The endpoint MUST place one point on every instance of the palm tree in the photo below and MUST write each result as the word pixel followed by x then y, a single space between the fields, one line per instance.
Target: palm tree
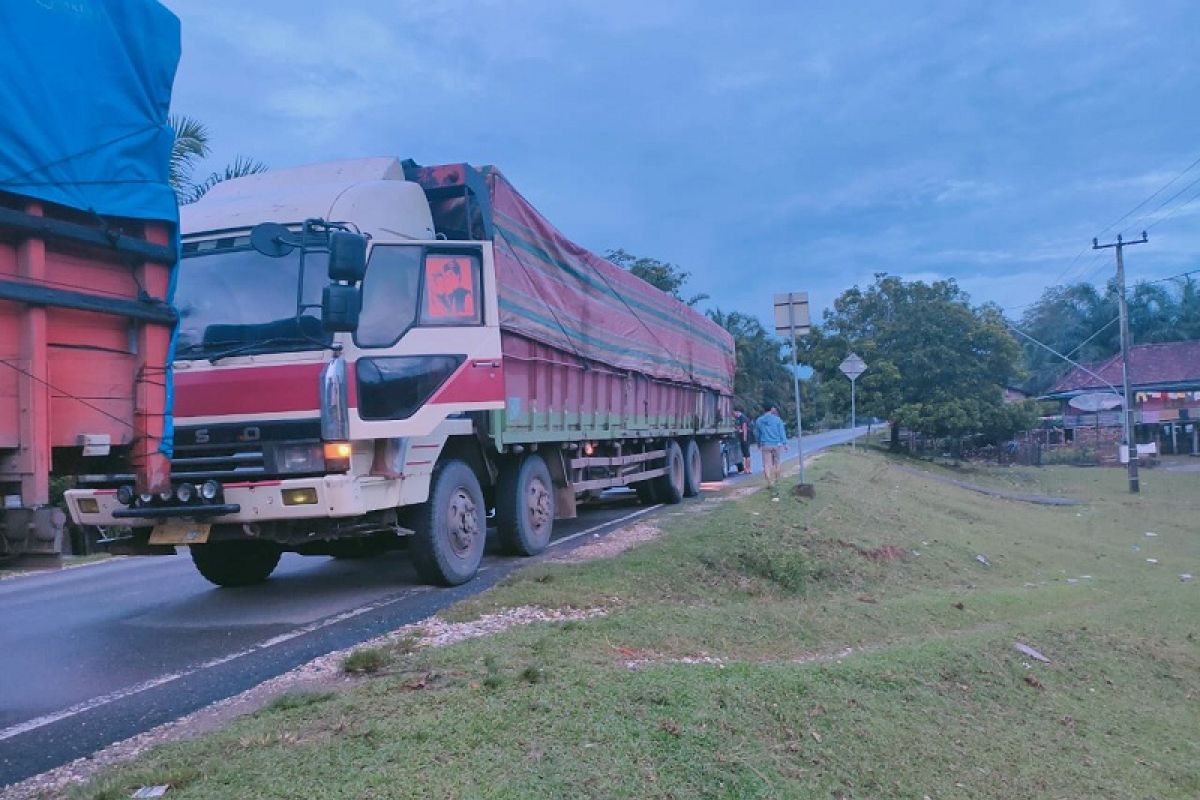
pixel 190 146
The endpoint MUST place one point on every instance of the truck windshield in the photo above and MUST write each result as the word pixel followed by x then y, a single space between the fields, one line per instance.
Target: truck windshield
pixel 234 299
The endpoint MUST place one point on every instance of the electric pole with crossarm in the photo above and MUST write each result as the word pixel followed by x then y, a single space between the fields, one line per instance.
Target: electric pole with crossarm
pixel 1130 438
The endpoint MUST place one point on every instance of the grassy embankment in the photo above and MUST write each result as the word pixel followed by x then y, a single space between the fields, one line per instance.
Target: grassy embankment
pixel 931 700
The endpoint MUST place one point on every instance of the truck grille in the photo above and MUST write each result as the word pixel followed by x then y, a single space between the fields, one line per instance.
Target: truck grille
pixel 221 462
pixel 235 451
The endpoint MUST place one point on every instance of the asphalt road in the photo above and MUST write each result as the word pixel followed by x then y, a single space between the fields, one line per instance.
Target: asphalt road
pixel 94 655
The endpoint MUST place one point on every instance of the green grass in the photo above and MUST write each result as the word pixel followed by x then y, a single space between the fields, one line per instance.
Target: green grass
pixel 930 700
pixel 366 660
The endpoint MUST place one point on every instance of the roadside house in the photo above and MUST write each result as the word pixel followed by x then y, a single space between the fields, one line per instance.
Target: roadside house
pixel 1165 380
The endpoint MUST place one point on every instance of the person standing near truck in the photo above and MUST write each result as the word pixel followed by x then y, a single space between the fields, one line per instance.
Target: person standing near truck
pixel 741 428
pixel 772 438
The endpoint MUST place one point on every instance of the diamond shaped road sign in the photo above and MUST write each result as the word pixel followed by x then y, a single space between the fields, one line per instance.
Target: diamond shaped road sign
pixel 853 366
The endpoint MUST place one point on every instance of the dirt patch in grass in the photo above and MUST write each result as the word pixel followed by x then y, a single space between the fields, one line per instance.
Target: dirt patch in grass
pixel 615 543
pixel 886 552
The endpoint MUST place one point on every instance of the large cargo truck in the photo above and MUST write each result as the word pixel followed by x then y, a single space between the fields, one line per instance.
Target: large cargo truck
pixel 88 245
pixel 374 354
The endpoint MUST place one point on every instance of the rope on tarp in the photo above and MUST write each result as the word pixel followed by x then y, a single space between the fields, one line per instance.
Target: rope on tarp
pixel 65 393
pixel 549 306
pixel 10 180
pixel 685 367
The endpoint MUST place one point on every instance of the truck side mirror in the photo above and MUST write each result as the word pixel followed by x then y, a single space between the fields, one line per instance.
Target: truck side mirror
pixel 347 256
pixel 340 304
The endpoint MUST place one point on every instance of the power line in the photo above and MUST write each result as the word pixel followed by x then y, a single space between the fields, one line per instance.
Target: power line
pixel 1156 193
pixel 1103 328
pixel 1134 210
pixel 1160 206
pixel 1173 277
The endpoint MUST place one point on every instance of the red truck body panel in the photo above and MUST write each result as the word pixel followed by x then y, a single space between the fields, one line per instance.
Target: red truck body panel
pixel 67 372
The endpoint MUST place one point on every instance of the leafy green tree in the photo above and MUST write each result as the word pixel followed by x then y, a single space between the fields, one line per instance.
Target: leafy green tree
pixel 190 147
pixel 936 364
pixel 663 275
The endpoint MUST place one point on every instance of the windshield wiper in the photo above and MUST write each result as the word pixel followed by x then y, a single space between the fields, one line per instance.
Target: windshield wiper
pixel 248 346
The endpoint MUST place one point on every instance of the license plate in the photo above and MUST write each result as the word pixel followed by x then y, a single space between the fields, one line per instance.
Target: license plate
pixel 180 532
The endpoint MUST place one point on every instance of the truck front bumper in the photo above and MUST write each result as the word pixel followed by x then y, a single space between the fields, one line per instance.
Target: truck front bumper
pixel 326 497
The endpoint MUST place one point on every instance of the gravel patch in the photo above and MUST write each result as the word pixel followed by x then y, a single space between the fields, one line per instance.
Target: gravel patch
pixel 613 544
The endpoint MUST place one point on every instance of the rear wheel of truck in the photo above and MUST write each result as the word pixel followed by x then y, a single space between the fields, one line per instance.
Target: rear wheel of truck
pixel 451 527
pixel 238 563
pixel 693 468
pixel 525 507
pixel 669 487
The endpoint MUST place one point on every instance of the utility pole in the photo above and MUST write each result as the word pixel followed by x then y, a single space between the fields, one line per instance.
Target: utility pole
pixel 1130 438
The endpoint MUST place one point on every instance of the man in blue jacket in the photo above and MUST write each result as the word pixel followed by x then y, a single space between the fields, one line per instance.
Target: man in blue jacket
pixel 772 439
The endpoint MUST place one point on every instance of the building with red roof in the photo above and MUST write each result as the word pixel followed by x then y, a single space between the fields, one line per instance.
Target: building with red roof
pixel 1165 380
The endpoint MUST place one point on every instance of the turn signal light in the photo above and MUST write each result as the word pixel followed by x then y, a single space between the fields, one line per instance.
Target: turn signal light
pixel 338 451
pixel 337 456
pixel 300 497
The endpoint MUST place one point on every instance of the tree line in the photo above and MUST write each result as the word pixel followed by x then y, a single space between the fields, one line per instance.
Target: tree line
pixel 1080 321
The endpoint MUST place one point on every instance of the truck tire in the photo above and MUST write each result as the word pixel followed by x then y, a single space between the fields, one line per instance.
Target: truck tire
pixel 669 487
pixel 237 563
pixel 525 506
pixel 451 527
pixel 692 469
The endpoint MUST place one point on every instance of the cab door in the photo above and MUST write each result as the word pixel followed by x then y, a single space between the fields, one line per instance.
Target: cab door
pixel 427 346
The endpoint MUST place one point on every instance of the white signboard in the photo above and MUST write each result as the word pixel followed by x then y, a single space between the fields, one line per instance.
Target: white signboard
pixel 853 366
pixel 791 314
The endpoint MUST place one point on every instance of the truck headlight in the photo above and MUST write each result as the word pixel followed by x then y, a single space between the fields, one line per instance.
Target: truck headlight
pixel 299 458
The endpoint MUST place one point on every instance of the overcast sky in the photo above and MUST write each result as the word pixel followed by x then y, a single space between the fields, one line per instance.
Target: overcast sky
pixel 799 146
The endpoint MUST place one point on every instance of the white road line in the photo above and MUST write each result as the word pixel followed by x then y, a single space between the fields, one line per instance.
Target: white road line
pixel 595 528
pixel 137 688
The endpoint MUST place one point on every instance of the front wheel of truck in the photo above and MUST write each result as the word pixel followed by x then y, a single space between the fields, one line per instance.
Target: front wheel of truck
pixel 451 527
pixel 238 563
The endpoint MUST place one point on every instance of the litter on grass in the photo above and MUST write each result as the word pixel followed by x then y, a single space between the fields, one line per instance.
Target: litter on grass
pixel 1151 560
pixel 1150 534
pixel 982 559
pixel 1021 647
pixel 150 791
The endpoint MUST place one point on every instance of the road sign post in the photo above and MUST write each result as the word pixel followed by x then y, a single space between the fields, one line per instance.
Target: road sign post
pixel 792 319
pixel 853 366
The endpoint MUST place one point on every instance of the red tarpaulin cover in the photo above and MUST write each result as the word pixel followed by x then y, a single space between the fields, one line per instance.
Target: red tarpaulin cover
pixel 556 292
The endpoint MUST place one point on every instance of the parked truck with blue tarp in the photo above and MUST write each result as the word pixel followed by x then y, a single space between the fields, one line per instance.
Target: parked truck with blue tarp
pixel 88 245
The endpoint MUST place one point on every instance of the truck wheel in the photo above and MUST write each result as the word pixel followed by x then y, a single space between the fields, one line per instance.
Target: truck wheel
pixel 669 487
pixel 692 469
pixel 451 527
pixel 525 507
pixel 238 563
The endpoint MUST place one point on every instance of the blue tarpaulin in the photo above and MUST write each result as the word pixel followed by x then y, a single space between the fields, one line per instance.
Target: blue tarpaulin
pixel 85 89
